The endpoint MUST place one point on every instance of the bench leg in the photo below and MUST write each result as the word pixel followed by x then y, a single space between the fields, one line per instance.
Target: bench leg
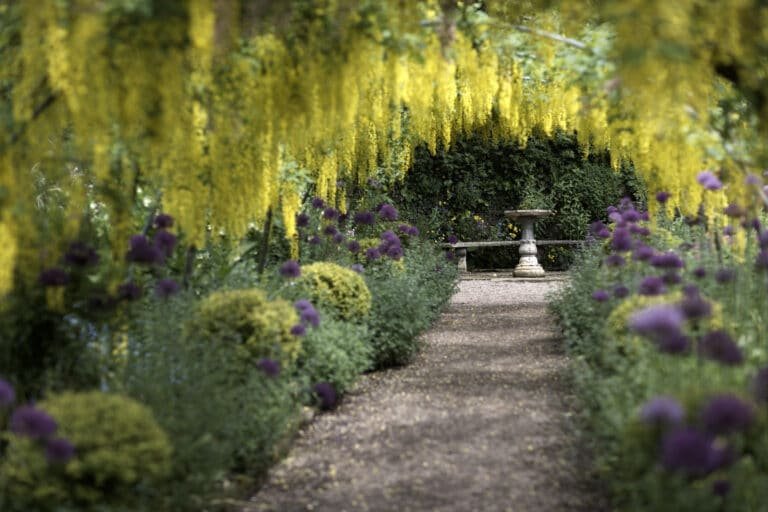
pixel 461 255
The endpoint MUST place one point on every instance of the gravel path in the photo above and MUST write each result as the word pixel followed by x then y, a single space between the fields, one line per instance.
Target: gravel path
pixel 479 422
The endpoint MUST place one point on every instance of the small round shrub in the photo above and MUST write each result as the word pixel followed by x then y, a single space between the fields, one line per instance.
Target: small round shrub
pixel 254 325
pixel 341 289
pixel 120 454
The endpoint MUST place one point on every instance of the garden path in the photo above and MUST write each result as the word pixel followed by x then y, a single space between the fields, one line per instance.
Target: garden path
pixel 481 421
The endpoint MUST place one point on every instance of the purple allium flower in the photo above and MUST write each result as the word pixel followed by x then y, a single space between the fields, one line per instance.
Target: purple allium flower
pixel 620 291
pixel 687 450
pixel 53 276
pixel 652 285
pixel 671 278
pixel 310 316
pixel 691 290
pixel 298 330
pixel 163 221
pixel 622 240
pixel 700 272
pixel 365 218
pixel 600 295
pixel 642 253
pixel 611 209
pixel 639 230
pixel 373 253
pixel 761 261
pixel 302 220
pixel 290 269
pixel 662 411
pixel 404 228
pixel 662 197
pixel 164 288
pixel 59 451
pixel 315 240
pixel 330 230
pixel 7 393
pixel 353 246
pixel 617 219
pixel 141 251
pixel 338 238
pixel 450 255
pixel 388 212
pixel 129 291
pixel 752 179
pixel 719 346
pixel 734 210
pixel 390 237
pixel 668 260
pixel 302 304
pixel 357 268
pixel 674 343
pixel 725 275
pixel 326 395
pixel 318 203
pixel 709 181
pixel 452 239
pixel 330 213
pixel 603 233
pixel 724 414
pixel 33 423
pixel 694 307
pixel 165 242
pixel 270 367
pixel 395 252
pixel 760 385
pixel 728 230
pixel 721 487
pixel 413 231
pixel 657 320
pixel 631 216
pixel 614 260
pixel 596 226
pixel 81 254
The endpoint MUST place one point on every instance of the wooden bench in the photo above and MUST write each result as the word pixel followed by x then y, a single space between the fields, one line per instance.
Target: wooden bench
pixel 462 247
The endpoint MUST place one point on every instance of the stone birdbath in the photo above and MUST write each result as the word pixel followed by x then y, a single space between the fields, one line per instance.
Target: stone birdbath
pixel 528 265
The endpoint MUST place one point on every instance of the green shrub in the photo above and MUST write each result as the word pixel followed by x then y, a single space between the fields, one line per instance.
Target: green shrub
pixel 120 455
pixel 254 325
pixel 336 352
pixel 340 289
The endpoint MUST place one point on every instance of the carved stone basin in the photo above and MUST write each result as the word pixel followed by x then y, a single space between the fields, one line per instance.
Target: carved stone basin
pixel 529 264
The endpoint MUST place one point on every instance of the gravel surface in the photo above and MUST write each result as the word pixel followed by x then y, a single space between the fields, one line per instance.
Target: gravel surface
pixel 481 421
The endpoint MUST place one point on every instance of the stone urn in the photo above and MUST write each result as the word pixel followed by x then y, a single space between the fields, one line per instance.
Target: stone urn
pixel 529 264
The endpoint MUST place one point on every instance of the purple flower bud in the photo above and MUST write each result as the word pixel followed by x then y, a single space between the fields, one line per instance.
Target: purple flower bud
pixel 700 272
pixel 81 254
pixel 395 252
pixel 709 181
pixel 675 343
pixel 129 291
pixel 728 230
pixel 164 288
pixel 330 230
pixel 622 240
pixel 33 423
pixel 302 220
pixel 725 414
pixel 688 451
pixel 614 260
pixel 270 367
pixel 603 233
pixel 353 246
pixel 620 291
pixel 652 285
pixel 302 304
pixel 662 197
pixel 59 451
pixel 338 238
pixel 725 275
pixel 53 276
pixel 290 269
pixel 7 394
pixel 388 212
pixel 143 252
pixel 318 203
pixel 357 268
pixel 326 395
pixel 631 216
pixel 642 253
pixel 694 307
pixel 671 278
pixel 372 254
pixel 298 330
pixel 719 346
pixel 315 240
pixel 662 411
pixel 734 210
pixel 365 218
pixel 165 242
pixel 330 213
pixel 310 316
pixel 656 320
pixel 452 239
pixel 163 221
pixel 600 295
pixel 667 260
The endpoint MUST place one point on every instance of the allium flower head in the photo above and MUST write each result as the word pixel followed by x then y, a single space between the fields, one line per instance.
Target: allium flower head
pixel 357 268
pixel 620 291
pixel 318 203
pixel 413 231
pixel 59 451
pixel 326 395
pixel 395 252
pixel 719 346
pixel 338 238
pixel 165 242
pixel 315 240
pixel 688 451
pixel 452 239
pixel 163 221
pixel 302 304
pixel 7 394
pixel 659 319
pixel 728 230
pixel 388 212
pixel 144 252
pixel 353 246
pixel 636 229
pixel 725 414
pixel 302 220
pixel 129 291
pixel 700 272
pixel 164 288
pixel 365 218
pixel 667 260
pixel 725 275
pixel 734 210
pixel 631 216
pixel 330 213
pixel 662 411
pixel 642 253
pixel 674 343
pixel 290 269
pixel 53 276
pixel 30 422
pixel 622 240
pixel 330 230
pixel 709 181
pixel 298 330
pixel 614 260
pixel 662 197
pixel 671 278
pixel 600 295
pixel 310 316
pixel 694 307
pixel 270 367
pixel 80 254
pixel 390 237
pixel 372 253
pixel 603 233
pixel 652 285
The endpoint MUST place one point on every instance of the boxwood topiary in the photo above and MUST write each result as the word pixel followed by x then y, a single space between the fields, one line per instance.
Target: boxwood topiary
pixel 120 455
pixel 340 289
pixel 255 326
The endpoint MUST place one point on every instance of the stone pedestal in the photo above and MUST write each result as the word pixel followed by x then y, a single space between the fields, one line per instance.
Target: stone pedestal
pixel 529 264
